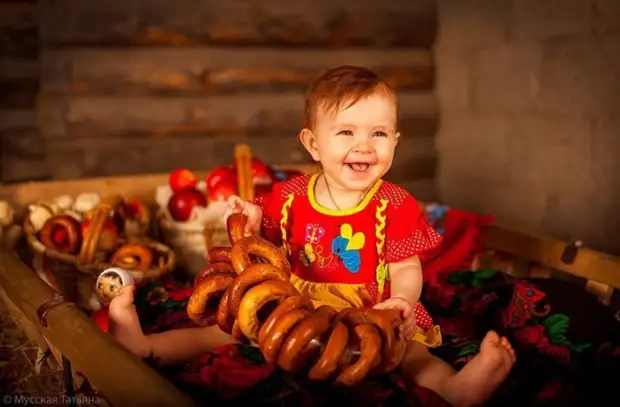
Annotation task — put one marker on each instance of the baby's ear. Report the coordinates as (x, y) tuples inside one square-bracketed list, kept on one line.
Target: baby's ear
[(397, 138), (308, 139)]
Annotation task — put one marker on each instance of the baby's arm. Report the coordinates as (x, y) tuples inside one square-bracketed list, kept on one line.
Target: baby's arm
[(406, 279)]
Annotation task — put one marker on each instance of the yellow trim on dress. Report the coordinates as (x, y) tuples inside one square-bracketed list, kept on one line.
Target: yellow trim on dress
[(335, 212), (382, 274), (284, 222)]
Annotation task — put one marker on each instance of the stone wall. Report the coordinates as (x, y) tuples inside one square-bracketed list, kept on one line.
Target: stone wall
[(133, 87), (528, 93), (21, 148)]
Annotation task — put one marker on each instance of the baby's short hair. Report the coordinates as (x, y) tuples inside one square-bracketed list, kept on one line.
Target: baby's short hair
[(340, 85)]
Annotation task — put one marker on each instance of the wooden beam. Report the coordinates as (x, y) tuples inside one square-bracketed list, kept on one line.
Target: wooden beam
[(589, 264), (113, 156), (248, 114), (303, 23), (22, 154), (114, 371), (212, 70), (18, 93)]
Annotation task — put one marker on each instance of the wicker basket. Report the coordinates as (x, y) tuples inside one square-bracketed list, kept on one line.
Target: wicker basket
[(89, 261)]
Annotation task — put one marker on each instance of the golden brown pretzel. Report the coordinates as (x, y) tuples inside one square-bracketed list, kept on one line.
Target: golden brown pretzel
[(66, 225), (133, 256), (258, 303)]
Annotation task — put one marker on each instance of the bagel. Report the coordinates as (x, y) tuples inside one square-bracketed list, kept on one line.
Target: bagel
[(62, 233), (219, 255), (256, 302), (133, 256)]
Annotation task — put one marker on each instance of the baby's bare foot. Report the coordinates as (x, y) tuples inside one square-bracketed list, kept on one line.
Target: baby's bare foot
[(124, 323), (479, 379)]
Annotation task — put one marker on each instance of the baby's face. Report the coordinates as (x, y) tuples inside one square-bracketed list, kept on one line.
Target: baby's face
[(109, 287), (356, 145)]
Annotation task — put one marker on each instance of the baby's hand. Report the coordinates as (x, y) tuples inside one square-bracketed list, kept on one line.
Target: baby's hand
[(407, 328), (252, 211)]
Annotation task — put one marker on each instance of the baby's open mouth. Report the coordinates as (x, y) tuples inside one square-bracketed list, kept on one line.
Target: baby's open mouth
[(359, 167)]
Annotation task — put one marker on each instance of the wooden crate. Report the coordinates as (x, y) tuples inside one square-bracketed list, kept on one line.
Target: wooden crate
[(69, 332)]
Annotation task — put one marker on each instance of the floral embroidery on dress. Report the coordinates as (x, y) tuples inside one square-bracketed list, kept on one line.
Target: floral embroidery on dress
[(347, 246), (313, 251)]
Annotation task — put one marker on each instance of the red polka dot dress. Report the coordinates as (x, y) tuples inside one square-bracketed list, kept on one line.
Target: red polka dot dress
[(335, 253)]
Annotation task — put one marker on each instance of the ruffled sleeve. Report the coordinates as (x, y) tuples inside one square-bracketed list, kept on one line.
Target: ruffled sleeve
[(271, 205), (408, 233)]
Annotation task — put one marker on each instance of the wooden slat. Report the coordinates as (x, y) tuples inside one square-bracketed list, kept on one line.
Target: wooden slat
[(22, 155), (18, 29), (17, 14), (138, 155), (603, 291), (18, 93), (277, 114), (18, 68), (589, 264), (92, 352), (212, 70), (300, 23), (17, 118)]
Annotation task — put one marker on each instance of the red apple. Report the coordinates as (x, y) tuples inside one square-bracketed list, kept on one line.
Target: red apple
[(260, 172), (101, 319), (221, 174), (181, 179), (182, 202), (222, 191), (109, 235), (263, 189)]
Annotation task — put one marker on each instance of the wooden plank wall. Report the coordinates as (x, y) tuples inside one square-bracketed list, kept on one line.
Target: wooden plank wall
[(145, 86), (22, 154)]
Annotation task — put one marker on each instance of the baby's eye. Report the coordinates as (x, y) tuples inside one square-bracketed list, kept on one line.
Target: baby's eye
[(345, 132), (379, 134), (113, 288)]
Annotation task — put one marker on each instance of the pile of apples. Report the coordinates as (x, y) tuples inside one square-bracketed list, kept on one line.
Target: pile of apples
[(220, 183)]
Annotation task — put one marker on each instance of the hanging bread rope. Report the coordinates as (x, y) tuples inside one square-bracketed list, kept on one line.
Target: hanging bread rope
[(243, 159), (256, 302)]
